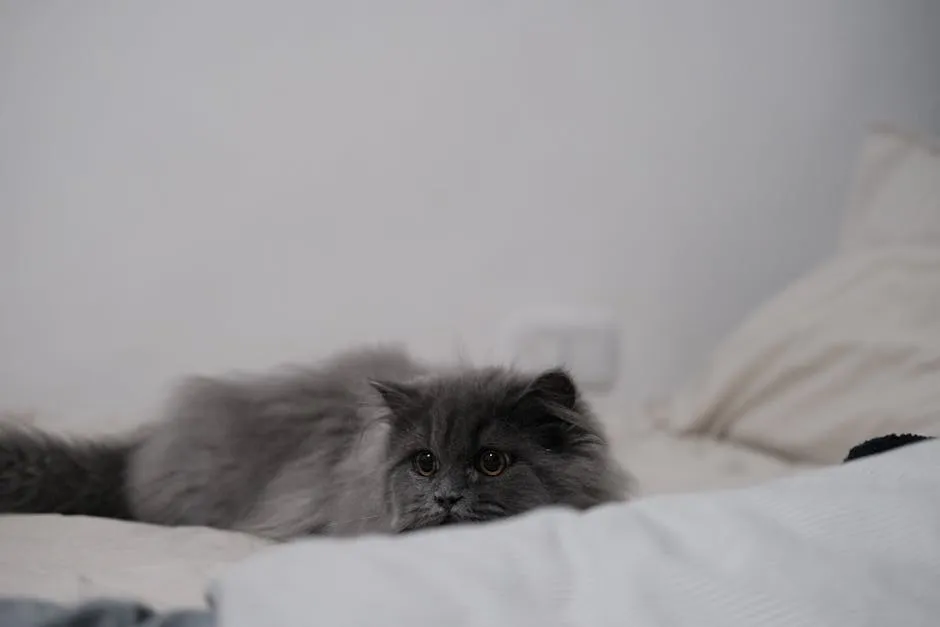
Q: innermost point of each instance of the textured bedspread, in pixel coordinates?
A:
(75, 559)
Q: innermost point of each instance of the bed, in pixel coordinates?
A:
(848, 352)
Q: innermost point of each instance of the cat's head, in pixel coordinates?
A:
(483, 444)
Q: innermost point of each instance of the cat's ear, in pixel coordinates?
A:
(396, 396)
(556, 387)
(549, 410)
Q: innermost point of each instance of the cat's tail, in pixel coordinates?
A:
(46, 474)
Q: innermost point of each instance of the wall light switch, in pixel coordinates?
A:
(586, 342)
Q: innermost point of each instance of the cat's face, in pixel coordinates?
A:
(486, 444)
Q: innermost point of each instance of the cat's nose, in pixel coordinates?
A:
(448, 500)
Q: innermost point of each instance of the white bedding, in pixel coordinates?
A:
(664, 463)
(72, 559)
(855, 545)
(851, 350)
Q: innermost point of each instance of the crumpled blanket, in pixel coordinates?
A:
(32, 613)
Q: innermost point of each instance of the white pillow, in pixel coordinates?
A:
(856, 545)
(896, 197)
(852, 350)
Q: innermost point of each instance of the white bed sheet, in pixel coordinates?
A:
(72, 559)
(663, 463)
(855, 545)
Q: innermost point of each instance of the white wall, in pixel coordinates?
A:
(197, 186)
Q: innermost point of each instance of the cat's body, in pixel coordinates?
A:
(369, 441)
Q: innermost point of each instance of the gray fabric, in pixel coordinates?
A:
(32, 613)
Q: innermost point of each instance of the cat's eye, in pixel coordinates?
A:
(424, 462)
(491, 462)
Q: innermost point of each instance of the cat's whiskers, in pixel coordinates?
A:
(352, 520)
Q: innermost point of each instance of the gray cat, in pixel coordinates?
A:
(369, 441)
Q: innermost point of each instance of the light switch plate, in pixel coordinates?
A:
(585, 341)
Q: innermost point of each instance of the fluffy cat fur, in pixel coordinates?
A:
(331, 450)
